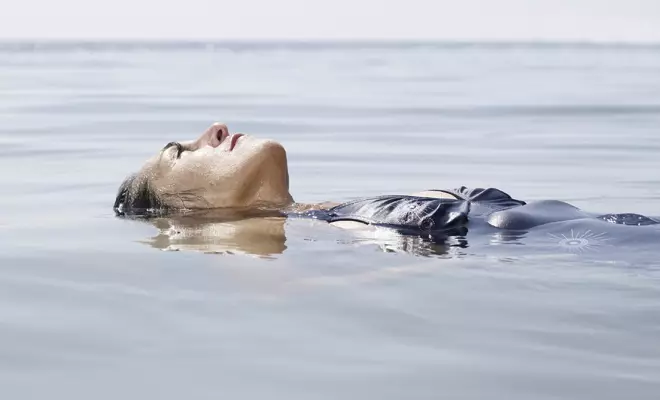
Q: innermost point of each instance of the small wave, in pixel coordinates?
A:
(184, 45)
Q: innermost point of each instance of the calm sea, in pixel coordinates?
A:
(92, 307)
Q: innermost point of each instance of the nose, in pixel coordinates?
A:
(214, 135)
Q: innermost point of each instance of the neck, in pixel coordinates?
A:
(300, 207)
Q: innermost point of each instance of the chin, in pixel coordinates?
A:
(262, 147)
(270, 182)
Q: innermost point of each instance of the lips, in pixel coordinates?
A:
(233, 139)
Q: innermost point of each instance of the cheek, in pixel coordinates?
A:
(205, 169)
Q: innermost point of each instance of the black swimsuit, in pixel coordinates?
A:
(491, 206)
(492, 216)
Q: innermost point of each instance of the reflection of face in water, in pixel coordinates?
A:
(240, 233)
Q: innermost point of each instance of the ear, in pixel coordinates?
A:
(122, 196)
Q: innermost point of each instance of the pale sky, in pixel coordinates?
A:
(574, 20)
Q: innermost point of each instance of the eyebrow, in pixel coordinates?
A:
(170, 144)
(179, 148)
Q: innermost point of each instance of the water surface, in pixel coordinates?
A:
(91, 307)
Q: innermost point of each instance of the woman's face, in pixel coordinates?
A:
(220, 169)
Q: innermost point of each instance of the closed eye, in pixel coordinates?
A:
(179, 148)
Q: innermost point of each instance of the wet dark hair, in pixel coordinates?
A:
(137, 198)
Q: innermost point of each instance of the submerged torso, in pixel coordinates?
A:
(469, 209)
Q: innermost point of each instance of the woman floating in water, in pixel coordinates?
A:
(220, 170)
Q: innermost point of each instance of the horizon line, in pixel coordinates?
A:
(328, 41)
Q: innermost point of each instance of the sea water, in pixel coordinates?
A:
(92, 306)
